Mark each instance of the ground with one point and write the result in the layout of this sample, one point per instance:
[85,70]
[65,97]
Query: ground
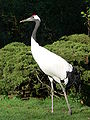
[40,109]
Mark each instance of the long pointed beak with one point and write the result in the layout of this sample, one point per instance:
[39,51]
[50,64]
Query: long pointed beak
[26,20]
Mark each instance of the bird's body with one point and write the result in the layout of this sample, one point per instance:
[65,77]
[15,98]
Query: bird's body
[51,64]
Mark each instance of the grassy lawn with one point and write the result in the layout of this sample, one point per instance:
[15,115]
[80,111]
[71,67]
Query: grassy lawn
[38,109]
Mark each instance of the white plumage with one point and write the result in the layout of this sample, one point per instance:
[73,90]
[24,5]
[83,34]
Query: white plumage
[51,64]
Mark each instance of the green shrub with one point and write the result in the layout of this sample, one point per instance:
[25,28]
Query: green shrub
[74,52]
[80,38]
[19,72]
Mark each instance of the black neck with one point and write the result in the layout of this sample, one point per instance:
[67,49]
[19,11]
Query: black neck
[35,29]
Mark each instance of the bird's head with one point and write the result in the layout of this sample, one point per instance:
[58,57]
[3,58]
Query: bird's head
[34,18]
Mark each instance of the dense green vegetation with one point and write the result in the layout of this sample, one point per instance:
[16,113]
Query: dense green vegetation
[36,109]
[20,75]
[18,70]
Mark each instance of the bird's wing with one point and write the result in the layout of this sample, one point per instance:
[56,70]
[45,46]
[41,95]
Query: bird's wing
[50,63]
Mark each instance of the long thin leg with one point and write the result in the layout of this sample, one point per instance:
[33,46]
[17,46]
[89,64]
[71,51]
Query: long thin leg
[51,80]
[70,112]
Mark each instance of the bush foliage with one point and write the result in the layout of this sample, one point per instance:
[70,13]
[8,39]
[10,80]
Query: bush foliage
[18,70]
[20,74]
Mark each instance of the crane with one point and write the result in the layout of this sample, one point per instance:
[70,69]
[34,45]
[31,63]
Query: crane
[54,66]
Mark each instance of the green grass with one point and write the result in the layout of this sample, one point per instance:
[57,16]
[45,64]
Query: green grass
[38,109]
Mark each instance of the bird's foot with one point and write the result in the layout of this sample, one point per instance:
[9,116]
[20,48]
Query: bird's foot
[52,111]
[70,112]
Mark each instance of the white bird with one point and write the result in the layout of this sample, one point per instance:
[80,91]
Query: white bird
[51,64]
